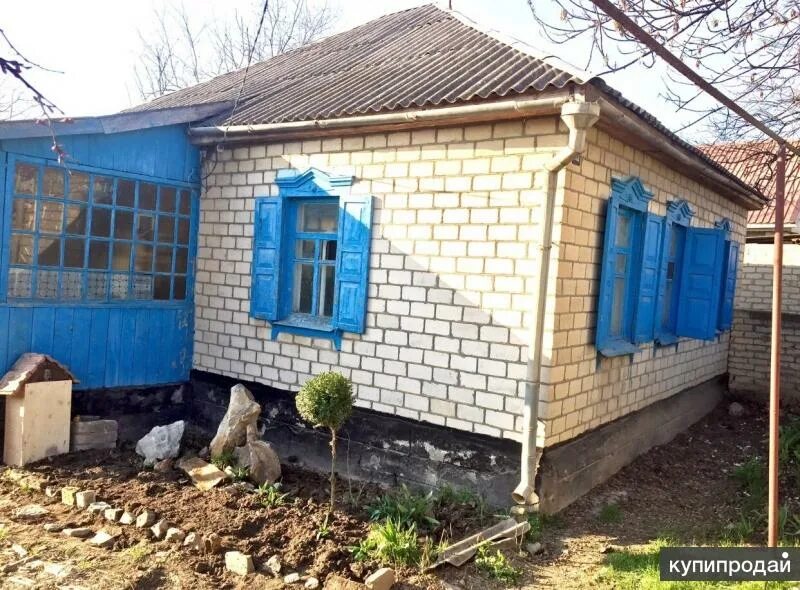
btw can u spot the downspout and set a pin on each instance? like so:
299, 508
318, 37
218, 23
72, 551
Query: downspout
579, 117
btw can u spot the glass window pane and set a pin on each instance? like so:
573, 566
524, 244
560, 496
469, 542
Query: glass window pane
98, 254
303, 287
119, 286
97, 286
145, 227
179, 288
103, 190
26, 179
47, 284
147, 196
181, 260
164, 259
329, 250
144, 258
51, 217
76, 220
101, 222
617, 307
123, 225
620, 263
623, 236
185, 206
126, 192
21, 249
142, 287
318, 217
166, 229
19, 282
23, 214
183, 231
49, 252
79, 186
121, 259
326, 284
305, 249
166, 199
72, 285
73, 253
161, 287
665, 316
53, 182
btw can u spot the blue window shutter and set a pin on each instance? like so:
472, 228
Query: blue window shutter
648, 279
266, 257
352, 262
729, 286
700, 283
607, 277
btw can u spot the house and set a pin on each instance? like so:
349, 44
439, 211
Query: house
749, 362
527, 277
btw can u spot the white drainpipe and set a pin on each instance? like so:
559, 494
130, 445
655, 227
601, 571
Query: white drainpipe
579, 118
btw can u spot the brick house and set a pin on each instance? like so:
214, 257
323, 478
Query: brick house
528, 278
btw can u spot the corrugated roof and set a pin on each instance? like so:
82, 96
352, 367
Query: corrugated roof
754, 163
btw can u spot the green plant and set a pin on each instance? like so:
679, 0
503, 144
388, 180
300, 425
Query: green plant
741, 530
324, 529
752, 477
610, 514
240, 473
390, 543
327, 401
224, 459
137, 553
450, 496
539, 523
405, 508
496, 564
789, 443
269, 495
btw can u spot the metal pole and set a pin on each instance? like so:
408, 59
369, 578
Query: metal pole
775, 364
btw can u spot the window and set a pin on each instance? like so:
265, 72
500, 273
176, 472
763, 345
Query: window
311, 256
730, 266
676, 222
84, 236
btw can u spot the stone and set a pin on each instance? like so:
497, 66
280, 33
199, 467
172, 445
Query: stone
84, 498
88, 434
19, 550
127, 518
239, 563
51, 491
53, 527
174, 535
103, 539
21, 582
337, 582
162, 442
164, 465
381, 579
239, 424
98, 507
58, 570
193, 542
261, 459
160, 529
68, 495
274, 565
736, 410
292, 578
113, 514
31, 512
212, 544
78, 533
204, 475
146, 519
311, 584
533, 548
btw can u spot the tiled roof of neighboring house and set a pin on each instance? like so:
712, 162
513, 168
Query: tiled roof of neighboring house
754, 163
32, 367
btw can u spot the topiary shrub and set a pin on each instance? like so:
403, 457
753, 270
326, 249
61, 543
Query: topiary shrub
327, 401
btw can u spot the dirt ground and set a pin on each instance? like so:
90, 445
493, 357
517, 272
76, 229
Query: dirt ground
682, 489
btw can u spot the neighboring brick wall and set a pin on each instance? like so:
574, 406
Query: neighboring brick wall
749, 361
585, 389
456, 211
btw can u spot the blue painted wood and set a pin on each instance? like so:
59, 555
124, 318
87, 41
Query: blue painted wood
679, 214
729, 285
643, 330
266, 258
700, 283
352, 263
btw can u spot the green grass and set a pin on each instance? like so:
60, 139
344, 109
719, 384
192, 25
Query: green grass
390, 543
137, 553
610, 514
223, 460
269, 495
495, 564
539, 524
405, 508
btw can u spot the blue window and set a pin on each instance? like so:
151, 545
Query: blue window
730, 266
86, 236
679, 216
311, 256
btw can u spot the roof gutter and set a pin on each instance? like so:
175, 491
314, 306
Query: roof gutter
488, 110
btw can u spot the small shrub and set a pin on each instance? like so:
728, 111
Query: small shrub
448, 496
324, 530
496, 565
224, 459
539, 523
390, 543
240, 473
405, 508
752, 477
610, 514
269, 495
327, 401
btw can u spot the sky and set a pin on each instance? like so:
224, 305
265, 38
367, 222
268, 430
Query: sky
96, 45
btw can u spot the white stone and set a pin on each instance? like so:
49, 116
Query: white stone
162, 442
382, 579
262, 461
292, 578
239, 422
84, 498
239, 563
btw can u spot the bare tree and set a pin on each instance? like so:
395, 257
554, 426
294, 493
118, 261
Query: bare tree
180, 50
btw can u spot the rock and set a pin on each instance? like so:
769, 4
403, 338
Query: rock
50, 491
736, 410
146, 519
239, 563
127, 518
160, 529
164, 465
31, 512
57, 570
204, 453
84, 498
382, 579
78, 533
68, 495
212, 544
21, 582
103, 539
262, 461
292, 578
193, 542
337, 582
53, 527
311, 584
274, 565
204, 475
174, 535
239, 423
19, 550
533, 548
98, 507
113, 514
162, 442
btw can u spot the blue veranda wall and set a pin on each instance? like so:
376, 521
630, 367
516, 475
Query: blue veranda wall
105, 344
